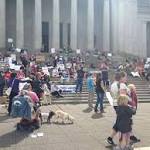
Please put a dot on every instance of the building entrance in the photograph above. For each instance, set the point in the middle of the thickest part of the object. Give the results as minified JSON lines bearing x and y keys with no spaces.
{"x":45,"y":36}
{"x":148,"y":38}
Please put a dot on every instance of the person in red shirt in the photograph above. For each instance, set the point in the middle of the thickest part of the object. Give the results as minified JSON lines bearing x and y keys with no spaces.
{"x":7,"y":76}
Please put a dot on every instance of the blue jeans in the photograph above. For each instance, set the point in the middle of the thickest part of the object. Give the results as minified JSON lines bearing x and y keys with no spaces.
{"x":79,"y":84}
{"x":100,"y":98}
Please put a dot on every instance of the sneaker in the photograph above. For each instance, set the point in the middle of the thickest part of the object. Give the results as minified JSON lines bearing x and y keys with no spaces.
{"x":134,"y":139}
{"x":110,"y":141}
{"x":95,"y":110}
{"x":102,"y":111}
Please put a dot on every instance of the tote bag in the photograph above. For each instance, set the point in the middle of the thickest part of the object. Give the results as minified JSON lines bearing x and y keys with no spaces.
{"x":8,"y":91}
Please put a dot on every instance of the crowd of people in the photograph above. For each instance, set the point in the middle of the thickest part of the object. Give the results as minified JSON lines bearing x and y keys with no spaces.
{"x":39,"y":86}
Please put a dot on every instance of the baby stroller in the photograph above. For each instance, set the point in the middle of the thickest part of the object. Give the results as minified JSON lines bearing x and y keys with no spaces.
{"x":22,"y":107}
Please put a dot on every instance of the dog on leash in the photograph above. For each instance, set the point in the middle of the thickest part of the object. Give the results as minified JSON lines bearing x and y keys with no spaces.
{"x":57,"y":115}
{"x":64,"y":116}
{"x":47,"y":116}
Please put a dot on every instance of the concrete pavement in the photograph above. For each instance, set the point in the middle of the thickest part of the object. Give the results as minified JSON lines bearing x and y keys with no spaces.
{"x":89,"y":131}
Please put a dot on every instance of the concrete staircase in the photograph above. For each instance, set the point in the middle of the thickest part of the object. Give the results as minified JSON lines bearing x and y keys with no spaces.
{"x":143,"y":92}
{"x":142,"y":86}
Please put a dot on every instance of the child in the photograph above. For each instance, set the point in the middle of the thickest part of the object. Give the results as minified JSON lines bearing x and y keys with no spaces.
{"x":124,"y":122}
{"x":133,"y":96}
{"x":46,"y":95}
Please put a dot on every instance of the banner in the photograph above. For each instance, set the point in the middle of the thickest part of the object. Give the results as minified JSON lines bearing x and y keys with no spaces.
{"x":67,"y":88}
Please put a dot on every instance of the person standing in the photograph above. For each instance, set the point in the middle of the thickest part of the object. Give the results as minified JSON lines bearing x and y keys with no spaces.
{"x":2,"y":84}
{"x":14,"y":84}
{"x":79,"y":82}
{"x":118,"y":88}
{"x":99,"y":92}
{"x":90,"y":88}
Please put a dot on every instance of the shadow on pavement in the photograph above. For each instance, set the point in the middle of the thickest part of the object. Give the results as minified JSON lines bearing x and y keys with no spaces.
{"x":87,"y":110}
{"x":110,"y":147}
{"x":4,"y":117}
{"x":12,"y":138}
{"x":61,"y":123}
{"x":96,"y":116}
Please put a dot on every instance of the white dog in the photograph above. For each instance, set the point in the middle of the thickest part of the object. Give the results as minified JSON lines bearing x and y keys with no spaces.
{"x":59,"y":114}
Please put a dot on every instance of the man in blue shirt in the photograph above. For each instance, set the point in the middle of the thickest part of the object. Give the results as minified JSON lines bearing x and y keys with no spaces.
{"x":91,"y":89}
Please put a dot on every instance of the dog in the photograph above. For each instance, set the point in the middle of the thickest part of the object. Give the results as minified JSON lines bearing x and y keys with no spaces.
{"x":47,"y":116}
{"x":64,"y":116}
{"x":50,"y":115}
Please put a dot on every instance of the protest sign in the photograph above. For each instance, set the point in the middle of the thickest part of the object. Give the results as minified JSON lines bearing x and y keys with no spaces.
{"x":78,"y":51}
{"x":45,"y":70}
{"x":53,"y":50}
{"x":109,"y":97}
{"x":40,"y":58}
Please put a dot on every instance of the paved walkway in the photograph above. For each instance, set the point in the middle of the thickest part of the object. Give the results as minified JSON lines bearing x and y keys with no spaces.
{"x":89,"y":131}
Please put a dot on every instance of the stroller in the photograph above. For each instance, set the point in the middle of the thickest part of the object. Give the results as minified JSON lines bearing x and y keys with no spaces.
{"x":22,"y":107}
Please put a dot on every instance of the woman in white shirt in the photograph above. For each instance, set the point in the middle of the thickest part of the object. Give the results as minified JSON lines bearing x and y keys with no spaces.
{"x":55,"y":90}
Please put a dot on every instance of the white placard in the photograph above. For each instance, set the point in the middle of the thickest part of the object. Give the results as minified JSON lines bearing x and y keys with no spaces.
{"x":148,"y":59}
{"x":55,"y":73}
{"x":40,"y":134}
{"x":96,"y":71}
{"x":13,"y":56}
{"x":18,"y":50}
{"x":21,"y":85}
{"x":53,"y":50}
{"x":135,"y":74}
{"x":45,"y":70}
{"x":68,"y":65}
{"x":78,"y":51}
{"x":109,"y":54}
{"x":10,"y":40}
{"x":109,"y":97}
{"x":61,"y":66}
{"x":16,"y":67}
{"x":33,"y":136}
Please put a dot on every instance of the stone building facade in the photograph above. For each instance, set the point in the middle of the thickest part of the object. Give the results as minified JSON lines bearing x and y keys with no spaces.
{"x":106,"y":25}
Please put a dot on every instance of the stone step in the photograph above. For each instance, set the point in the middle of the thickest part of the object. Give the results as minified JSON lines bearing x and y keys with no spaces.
{"x":86,"y":98}
{"x":85,"y":101}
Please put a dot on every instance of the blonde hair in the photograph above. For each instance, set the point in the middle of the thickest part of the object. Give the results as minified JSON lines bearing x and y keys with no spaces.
{"x":123,"y":100}
{"x":131,"y":87}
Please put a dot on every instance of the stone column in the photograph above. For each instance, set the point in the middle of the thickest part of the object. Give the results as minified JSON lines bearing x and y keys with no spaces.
{"x":2,"y":23}
{"x":38,"y":25}
{"x":56,"y":25}
{"x":73,"y":36}
{"x":19,"y":24}
{"x":114,"y":25}
{"x":106,"y":27}
{"x":90,"y":25}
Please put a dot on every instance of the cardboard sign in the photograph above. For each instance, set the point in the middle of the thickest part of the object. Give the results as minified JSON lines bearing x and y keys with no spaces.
{"x":40,"y":58}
